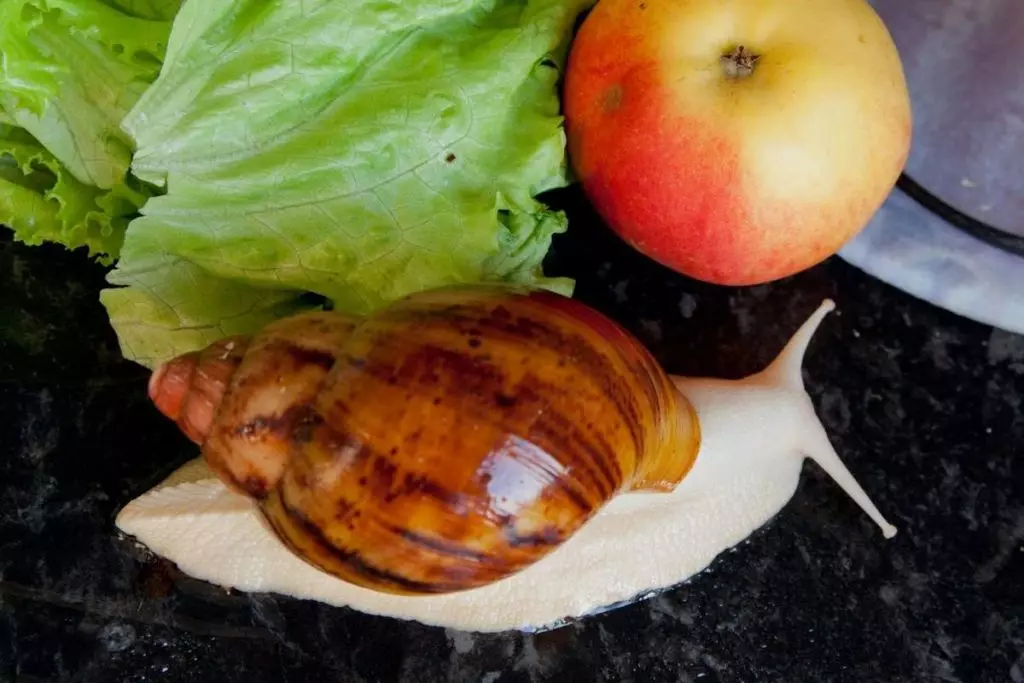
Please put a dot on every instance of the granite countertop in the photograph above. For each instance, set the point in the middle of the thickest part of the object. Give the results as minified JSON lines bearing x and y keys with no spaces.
{"x":926,"y":408}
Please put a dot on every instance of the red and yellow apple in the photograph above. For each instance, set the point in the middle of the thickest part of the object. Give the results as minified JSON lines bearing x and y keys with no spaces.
{"x":736,"y":142}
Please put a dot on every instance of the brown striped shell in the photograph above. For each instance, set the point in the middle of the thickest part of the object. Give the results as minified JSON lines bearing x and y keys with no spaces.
{"x":448,"y":441}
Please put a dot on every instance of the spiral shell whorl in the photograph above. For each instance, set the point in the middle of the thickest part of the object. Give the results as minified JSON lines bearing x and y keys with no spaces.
{"x":446,"y":442}
{"x":269,"y":402}
{"x":189,"y":389}
{"x":464,"y":434}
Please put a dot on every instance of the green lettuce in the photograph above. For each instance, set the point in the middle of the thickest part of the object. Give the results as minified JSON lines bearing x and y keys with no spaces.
{"x":357,"y":151}
{"x":42,"y":201}
{"x":70,"y":70}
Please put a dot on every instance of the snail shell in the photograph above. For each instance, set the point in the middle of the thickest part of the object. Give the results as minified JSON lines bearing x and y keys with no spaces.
{"x":446,"y":442}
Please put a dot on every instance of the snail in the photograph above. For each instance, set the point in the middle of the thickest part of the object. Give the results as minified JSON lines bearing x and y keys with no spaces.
{"x":461,"y":435}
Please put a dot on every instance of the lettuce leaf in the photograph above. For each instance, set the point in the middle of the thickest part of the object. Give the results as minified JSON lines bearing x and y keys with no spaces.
{"x":174,"y":306}
{"x":44,"y":202}
{"x":355,"y":150}
{"x":70,"y":70}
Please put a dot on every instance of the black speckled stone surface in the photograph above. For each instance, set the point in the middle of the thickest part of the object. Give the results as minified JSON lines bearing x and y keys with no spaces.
{"x":927,"y":409}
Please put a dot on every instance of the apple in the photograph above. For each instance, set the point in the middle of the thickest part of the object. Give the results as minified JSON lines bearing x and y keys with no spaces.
{"x":736,"y":142}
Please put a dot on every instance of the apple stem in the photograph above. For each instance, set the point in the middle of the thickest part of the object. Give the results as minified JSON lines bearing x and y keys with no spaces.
{"x":739,"y":62}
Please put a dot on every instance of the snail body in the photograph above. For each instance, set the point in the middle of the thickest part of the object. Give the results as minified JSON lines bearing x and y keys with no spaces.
{"x":457,"y":437}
